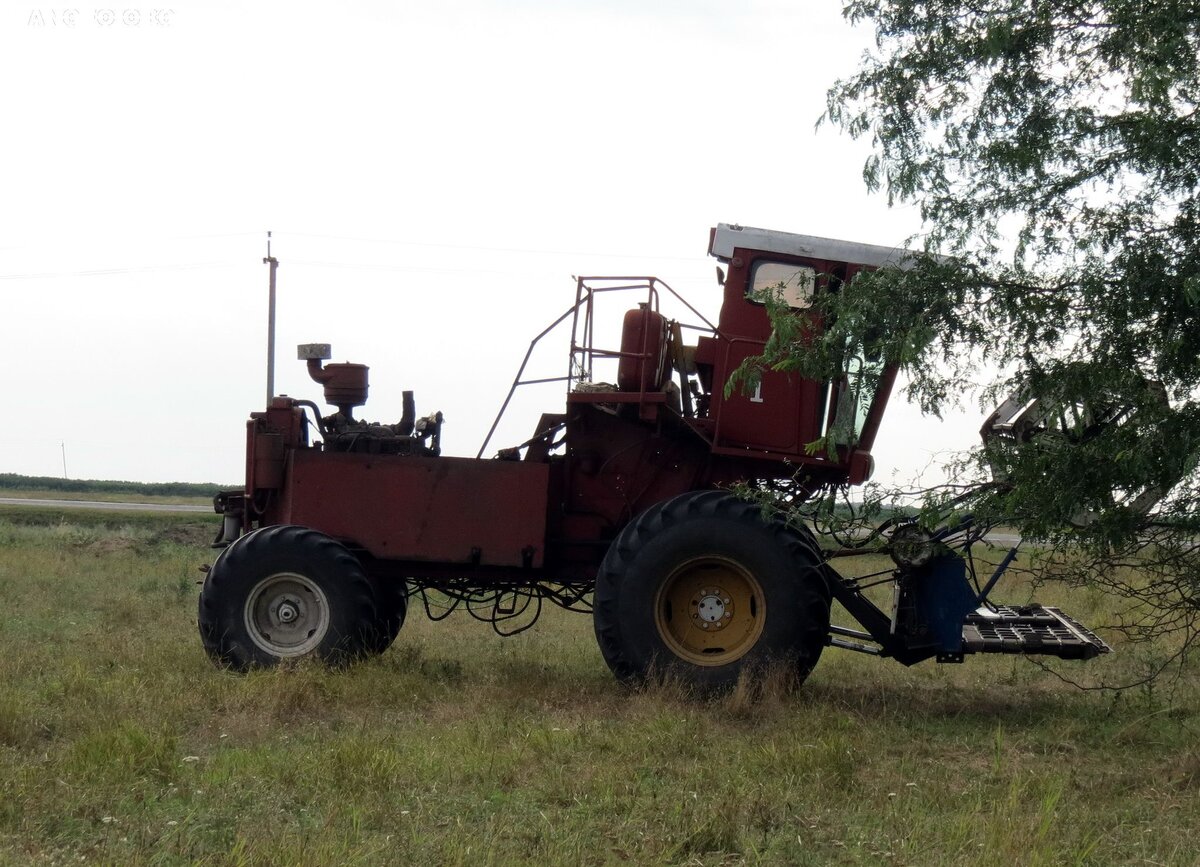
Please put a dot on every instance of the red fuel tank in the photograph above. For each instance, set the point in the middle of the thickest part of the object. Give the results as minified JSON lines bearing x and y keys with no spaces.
{"x":643,"y":364}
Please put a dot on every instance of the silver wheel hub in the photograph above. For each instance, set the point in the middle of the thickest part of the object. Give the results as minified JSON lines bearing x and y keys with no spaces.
{"x":287,"y":614}
{"x":288,"y":611}
{"x":711,"y":609}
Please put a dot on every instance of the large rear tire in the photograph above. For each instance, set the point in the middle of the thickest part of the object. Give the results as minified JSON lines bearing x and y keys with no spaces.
{"x":286,"y":592}
{"x":391,"y":598}
{"x":700,"y":589}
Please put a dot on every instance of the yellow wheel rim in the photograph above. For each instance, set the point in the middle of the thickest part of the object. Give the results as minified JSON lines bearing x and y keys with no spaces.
{"x":710,"y":611}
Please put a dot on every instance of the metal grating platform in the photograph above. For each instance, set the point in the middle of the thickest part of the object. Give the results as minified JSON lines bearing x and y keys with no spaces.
{"x":1030,"y":629}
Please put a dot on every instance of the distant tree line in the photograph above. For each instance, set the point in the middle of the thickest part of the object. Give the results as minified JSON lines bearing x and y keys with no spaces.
{"x":13,"y":481}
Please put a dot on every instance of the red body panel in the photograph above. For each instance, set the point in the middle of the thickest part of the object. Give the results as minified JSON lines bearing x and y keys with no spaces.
{"x":782,"y":415}
{"x":446,"y":510}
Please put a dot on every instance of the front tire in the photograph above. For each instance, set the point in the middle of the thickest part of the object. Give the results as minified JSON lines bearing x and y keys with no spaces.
{"x":701,"y":588}
{"x":286,"y":592}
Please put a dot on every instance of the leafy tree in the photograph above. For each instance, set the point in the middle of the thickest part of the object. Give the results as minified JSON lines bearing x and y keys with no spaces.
{"x":1053,"y":148}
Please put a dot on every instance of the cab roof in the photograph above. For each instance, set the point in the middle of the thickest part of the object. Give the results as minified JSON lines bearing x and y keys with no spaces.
{"x":726,"y":237}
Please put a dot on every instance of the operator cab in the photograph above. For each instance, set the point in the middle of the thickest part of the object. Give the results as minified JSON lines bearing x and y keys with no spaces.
{"x":783,"y":413}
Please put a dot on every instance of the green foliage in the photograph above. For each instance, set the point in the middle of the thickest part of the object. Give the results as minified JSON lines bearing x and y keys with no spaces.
{"x":1070,"y":127}
{"x":1052,"y":150}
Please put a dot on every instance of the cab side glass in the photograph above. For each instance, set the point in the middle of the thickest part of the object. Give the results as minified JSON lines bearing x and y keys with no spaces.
{"x":793,"y":284}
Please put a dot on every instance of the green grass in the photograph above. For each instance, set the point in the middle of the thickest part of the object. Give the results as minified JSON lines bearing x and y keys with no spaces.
{"x":121,"y":744}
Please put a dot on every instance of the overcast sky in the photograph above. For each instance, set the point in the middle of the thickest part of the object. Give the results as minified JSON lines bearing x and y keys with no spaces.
{"x":433,"y":173}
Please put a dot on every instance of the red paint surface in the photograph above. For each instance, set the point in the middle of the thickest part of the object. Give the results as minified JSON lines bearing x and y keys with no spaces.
{"x":429,"y":509}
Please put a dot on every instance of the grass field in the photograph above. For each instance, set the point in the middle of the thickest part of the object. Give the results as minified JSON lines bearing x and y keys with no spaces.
{"x":121,"y":744}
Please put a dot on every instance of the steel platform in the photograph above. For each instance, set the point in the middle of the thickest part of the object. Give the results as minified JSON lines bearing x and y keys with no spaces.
{"x":1030,"y":629}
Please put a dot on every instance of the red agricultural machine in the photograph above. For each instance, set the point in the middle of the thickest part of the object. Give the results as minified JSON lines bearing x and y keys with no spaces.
{"x":619,"y":504}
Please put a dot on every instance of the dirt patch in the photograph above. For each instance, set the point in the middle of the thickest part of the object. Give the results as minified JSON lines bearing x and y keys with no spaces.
{"x":113,"y":545}
{"x":192,"y":534}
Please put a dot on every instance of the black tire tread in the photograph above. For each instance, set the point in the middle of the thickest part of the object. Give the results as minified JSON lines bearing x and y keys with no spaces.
{"x":797,"y":541}
{"x":391,"y":598}
{"x":229,"y":573}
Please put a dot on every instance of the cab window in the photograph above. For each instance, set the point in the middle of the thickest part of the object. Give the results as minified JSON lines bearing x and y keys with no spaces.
{"x":793,"y":284}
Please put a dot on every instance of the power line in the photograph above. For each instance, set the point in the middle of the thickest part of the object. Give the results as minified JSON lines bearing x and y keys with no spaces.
{"x":57,"y":243}
{"x":364,"y":266}
{"x":101,"y":272}
{"x":432,"y":244}
{"x":560,"y":275}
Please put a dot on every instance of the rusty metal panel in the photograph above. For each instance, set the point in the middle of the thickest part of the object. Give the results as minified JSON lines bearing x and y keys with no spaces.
{"x":444,"y":510}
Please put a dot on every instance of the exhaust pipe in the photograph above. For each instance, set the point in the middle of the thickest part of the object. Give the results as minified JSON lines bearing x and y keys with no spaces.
{"x":409,"y":418}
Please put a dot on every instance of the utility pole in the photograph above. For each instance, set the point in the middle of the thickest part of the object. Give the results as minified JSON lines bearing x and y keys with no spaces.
{"x":274,"y":264}
{"x":64,"y":454}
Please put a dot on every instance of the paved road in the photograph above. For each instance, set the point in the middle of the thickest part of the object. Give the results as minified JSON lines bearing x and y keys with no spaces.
{"x":107,"y":507}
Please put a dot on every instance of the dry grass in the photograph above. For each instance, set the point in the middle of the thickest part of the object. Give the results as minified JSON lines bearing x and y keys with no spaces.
{"x":120,"y":744}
